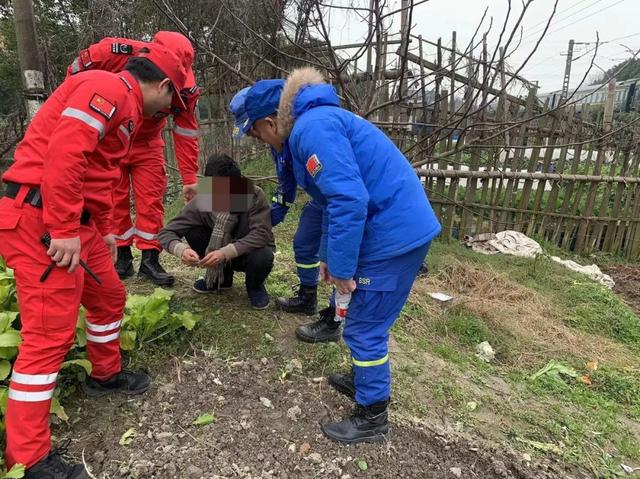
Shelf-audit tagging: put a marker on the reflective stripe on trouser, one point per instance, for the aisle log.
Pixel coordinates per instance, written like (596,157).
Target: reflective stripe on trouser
(49,314)
(381,292)
(144,171)
(306,243)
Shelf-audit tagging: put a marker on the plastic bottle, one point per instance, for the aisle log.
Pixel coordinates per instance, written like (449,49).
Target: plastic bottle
(342,306)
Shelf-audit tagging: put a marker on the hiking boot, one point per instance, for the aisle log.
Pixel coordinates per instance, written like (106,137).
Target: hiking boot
(259,297)
(343,383)
(53,467)
(124,263)
(125,382)
(200,286)
(325,330)
(366,424)
(304,301)
(151,269)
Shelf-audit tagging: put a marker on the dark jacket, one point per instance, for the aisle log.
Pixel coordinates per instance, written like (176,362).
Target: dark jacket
(246,232)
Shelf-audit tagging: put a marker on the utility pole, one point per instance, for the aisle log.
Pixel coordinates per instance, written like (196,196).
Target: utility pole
(404,36)
(567,72)
(32,77)
(609,105)
(567,69)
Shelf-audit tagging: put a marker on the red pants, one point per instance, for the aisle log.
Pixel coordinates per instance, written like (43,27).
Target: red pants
(144,170)
(49,314)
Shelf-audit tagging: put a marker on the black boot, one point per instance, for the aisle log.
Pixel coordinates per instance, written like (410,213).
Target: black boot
(325,330)
(124,264)
(343,383)
(125,382)
(53,467)
(304,301)
(366,424)
(423,271)
(151,269)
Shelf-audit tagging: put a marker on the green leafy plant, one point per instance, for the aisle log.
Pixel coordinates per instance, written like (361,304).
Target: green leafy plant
(8,300)
(16,472)
(147,319)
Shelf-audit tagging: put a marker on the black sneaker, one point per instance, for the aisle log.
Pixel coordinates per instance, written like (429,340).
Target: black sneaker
(124,263)
(304,301)
(200,286)
(259,298)
(366,424)
(53,467)
(325,330)
(125,382)
(343,383)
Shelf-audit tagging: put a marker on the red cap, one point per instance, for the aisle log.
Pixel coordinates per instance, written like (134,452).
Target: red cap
(181,46)
(171,66)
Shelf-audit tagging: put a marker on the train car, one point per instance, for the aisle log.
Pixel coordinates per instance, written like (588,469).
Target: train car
(626,98)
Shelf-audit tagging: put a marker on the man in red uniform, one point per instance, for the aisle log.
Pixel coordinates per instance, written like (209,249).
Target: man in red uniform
(144,169)
(61,183)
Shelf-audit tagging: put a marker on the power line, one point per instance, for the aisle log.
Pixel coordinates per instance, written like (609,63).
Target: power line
(540,62)
(555,22)
(560,13)
(588,16)
(602,43)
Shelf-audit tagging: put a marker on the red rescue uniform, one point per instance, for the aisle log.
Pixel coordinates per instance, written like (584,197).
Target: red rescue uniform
(146,159)
(70,155)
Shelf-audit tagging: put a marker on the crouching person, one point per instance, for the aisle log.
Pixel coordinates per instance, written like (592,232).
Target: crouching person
(225,242)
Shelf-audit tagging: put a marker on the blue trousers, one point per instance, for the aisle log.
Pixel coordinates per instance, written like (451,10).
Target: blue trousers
(306,244)
(381,292)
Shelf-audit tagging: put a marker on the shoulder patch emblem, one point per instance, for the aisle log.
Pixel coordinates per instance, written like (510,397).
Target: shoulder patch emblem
(121,48)
(313,165)
(85,58)
(103,106)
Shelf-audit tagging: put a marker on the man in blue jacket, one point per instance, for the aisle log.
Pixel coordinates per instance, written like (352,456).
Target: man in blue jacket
(306,241)
(377,228)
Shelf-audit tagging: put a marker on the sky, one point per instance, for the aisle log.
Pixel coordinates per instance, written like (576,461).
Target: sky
(615,21)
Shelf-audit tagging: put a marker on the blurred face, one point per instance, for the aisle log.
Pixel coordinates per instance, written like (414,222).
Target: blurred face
(266,130)
(157,96)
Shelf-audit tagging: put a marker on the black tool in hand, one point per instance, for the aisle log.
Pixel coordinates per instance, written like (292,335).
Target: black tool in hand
(46,240)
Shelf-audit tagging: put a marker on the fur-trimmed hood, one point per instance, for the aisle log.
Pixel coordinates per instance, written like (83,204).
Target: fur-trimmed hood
(305,88)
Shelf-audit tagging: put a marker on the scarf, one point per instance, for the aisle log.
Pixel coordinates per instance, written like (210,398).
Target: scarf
(214,275)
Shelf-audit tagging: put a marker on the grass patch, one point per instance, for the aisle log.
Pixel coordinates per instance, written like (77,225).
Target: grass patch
(464,326)
(599,311)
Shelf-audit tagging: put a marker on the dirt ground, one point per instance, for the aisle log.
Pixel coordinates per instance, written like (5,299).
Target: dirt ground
(627,278)
(265,426)
(277,436)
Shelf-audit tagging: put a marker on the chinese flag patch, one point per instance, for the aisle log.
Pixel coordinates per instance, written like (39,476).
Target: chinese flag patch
(103,106)
(85,58)
(313,165)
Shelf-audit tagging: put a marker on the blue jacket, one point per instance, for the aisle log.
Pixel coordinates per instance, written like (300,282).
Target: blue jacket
(285,194)
(375,206)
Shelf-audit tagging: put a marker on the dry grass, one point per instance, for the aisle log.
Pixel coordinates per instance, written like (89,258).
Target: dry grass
(528,326)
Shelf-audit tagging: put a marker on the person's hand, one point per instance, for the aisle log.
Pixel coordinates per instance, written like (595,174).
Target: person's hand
(190,257)
(110,241)
(344,286)
(213,259)
(189,192)
(324,273)
(65,252)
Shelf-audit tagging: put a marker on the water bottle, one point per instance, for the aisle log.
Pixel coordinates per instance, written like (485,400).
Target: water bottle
(342,306)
